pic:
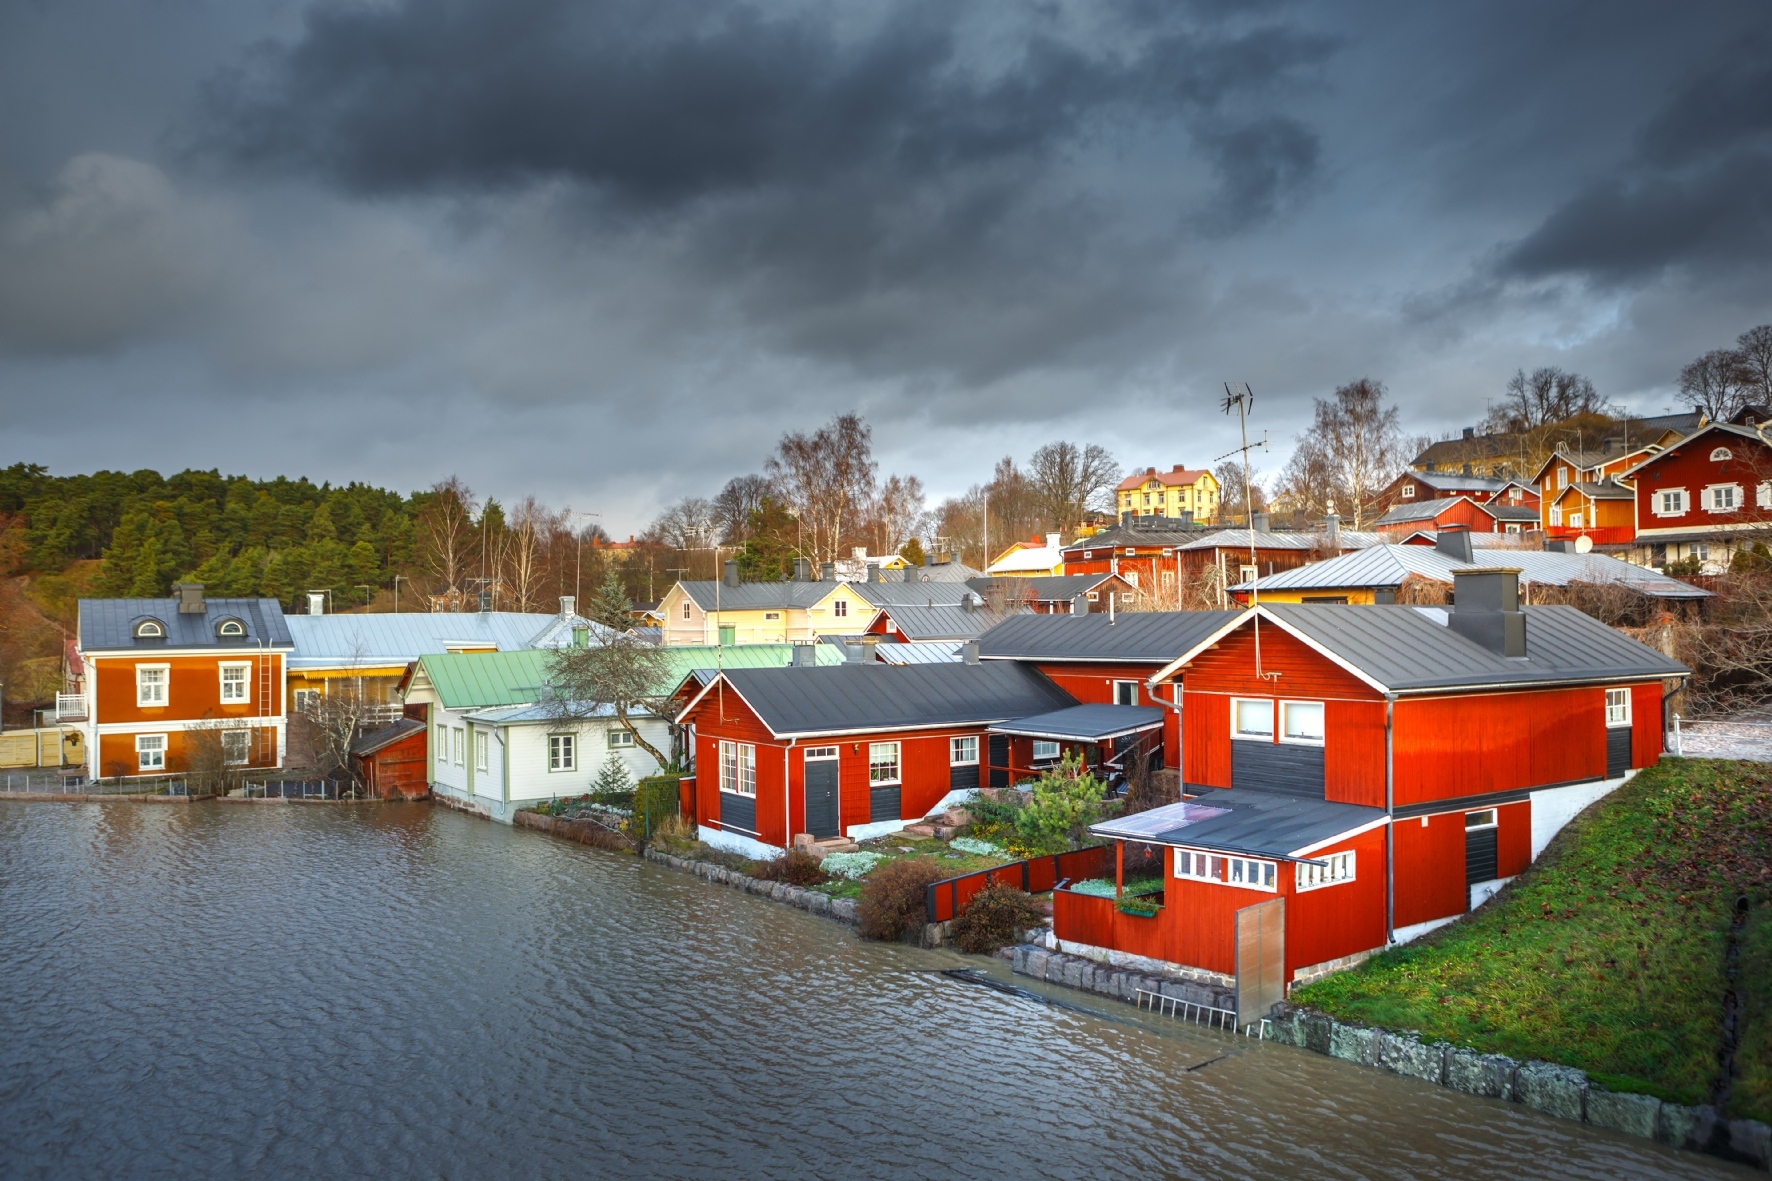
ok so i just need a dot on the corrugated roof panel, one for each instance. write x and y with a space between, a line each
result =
109 624
885 697
1145 636
1388 565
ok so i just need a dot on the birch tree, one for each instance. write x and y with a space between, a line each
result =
1362 443
1068 481
827 480
446 532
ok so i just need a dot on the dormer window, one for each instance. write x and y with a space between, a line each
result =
1408 491
1720 454
150 629
230 629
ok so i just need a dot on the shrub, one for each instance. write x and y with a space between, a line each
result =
674 834
656 802
995 811
995 918
1065 802
891 902
854 866
796 867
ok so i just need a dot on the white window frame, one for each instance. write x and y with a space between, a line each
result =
1562 477
243 740
145 699
1094 596
1511 529
482 751
1475 821
1556 515
620 739
245 682
1713 497
157 749
840 609
771 616
150 629
1046 750
1408 492
885 764
685 608
820 754
1198 866
562 753
1242 736
963 750
1120 687
1668 502
1617 708
442 744
1248 573
738 768
1575 520
1322 712
1721 454
303 696
1252 873
458 745
1338 869
1763 494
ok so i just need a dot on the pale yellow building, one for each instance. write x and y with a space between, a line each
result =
1181 492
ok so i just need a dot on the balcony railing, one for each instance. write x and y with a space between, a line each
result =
70 707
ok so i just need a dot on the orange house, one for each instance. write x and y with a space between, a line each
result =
160 671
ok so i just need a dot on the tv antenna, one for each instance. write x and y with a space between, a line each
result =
1240 398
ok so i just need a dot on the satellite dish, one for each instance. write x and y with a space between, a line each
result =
1584 544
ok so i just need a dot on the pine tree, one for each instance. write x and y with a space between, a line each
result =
612 778
610 606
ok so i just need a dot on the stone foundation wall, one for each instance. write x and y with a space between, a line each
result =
1561 1091
841 909
1075 971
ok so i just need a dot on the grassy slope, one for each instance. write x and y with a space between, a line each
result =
1608 954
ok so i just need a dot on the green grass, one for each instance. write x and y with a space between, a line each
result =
1608 954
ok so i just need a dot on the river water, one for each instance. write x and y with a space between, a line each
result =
399 990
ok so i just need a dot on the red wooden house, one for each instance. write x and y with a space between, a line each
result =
392 762
1704 497
1147 556
855 749
1411 516
1361 775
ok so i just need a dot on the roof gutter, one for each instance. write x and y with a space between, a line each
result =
1390 821
1504 686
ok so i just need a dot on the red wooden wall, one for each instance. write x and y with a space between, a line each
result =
1690 466
1430 861
1646 725
1445 747
1093 684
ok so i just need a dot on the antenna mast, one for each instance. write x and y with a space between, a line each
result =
1239 397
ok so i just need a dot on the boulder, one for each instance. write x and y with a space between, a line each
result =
843 909
1751 1143
1403 1053
1488 1075
1315 1027
1634 1115
1353 1043
1552 1089
1676 1125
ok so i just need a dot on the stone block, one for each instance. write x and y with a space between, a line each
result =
843 909
1634 1115
818 903
1404 1054
794 895
1554 1090
1488 1075
1315 1027
1751 1142
1288 1029
1676 1125
1073 972
1018 959
1035 964
1055 967
1353 1043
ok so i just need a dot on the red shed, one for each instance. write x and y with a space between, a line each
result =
1378 771
1408 517
390 762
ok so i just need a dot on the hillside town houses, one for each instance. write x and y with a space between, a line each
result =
1380 763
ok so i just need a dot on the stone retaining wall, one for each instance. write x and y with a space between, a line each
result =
841 909
585 832
1075 971
1561 1091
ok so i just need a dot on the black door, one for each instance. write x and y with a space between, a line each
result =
1617 751
999 746
821 797
1480 862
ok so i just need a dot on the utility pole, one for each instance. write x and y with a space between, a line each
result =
578 568
368 592
397 579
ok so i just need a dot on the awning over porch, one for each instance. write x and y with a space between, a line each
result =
1085 723
1245 820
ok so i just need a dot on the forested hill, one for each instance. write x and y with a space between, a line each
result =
238 536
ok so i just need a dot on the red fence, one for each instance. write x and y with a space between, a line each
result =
943 900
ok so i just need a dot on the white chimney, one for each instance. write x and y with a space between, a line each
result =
568 606
316 602
1052 540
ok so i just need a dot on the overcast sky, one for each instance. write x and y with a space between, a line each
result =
607 251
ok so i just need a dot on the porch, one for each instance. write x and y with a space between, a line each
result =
1102 737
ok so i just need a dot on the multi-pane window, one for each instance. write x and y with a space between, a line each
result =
1252 717
1574 520
840 608
482 751
150 752
620 739
963 751
882 763
1482 819
1301 721
151 684
1248 872
459 745
562 752
1618 707
1245 871
685 608
1125 692
1670 502
1336 868
234 682
738 768
236 747
1044 750
1723 498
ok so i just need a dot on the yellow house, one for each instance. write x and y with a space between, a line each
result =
1186 493
732 612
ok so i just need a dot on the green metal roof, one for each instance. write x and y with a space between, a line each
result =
479 680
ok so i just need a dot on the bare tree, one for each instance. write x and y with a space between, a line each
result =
524 554
621 678
732 508
827 480
1716 383
1067 481
688 524
213 762
899 512
446 533
1361 441
1546 396
1753 351
1307 482
1233 496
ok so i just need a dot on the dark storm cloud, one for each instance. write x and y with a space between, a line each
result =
1697 187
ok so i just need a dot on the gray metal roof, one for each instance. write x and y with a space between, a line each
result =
912 594
1172 532
373 740
108 625
1145 637
1411 648
1388 565
1510 512
1606 491
844 698
1046 588
711 594
1234 538
333 641
1420 510
942 623
1243 820
931 652
1458 481
1085 723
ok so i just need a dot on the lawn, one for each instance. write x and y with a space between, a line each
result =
892 847
1608 954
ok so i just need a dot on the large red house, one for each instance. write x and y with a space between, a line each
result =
1704 497
1361 775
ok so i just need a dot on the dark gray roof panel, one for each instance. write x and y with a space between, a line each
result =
1047 588
1419 510
941 623
711 594
912 594
1243 820
1510 512
1084 723
1144 637
108 625
1411 648
1458 481
881 697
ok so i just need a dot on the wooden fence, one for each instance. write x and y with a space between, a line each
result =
1036 875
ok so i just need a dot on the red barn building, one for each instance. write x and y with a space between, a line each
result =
1375 771
391 762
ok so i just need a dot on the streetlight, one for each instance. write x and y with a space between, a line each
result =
366 589
397 579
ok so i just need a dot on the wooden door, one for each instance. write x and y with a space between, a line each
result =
1261 959
821 792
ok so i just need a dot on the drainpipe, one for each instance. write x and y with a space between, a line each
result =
1390 825
787 793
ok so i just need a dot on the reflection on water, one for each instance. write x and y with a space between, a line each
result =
307 991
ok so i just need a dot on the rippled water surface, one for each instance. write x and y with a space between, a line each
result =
297 991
